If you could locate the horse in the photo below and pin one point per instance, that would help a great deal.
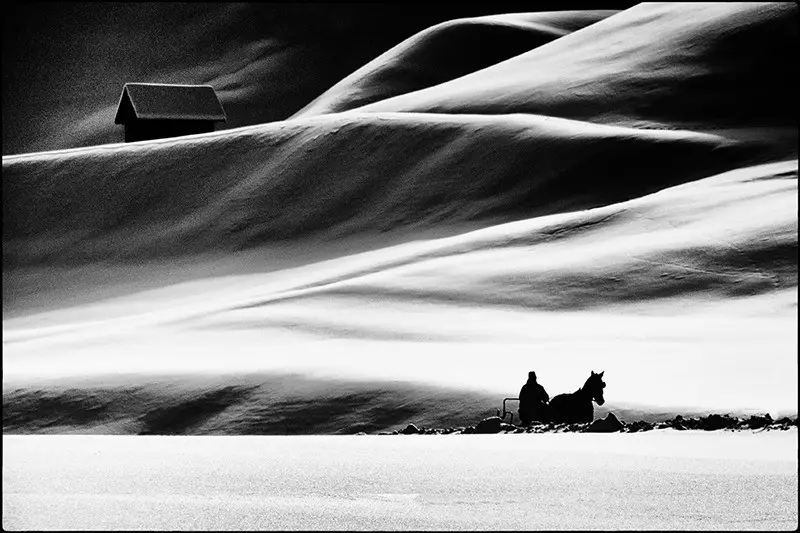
(576, 406)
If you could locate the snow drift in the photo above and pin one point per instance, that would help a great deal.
(613, 191)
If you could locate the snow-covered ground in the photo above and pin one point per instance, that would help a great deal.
(662, 479)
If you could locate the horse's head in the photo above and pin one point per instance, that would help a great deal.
(595, 385)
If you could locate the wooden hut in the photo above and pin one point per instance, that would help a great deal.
(157, 110)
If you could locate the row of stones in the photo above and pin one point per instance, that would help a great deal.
(610, 424)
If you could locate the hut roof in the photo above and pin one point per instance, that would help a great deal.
(162, 101)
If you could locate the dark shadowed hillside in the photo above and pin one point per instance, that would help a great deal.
(64, 64)
(447, 51)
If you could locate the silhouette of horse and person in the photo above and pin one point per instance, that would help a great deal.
(535, 404)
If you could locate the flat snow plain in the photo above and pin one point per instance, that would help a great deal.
(662, 479)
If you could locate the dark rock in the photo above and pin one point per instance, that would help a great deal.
(411, 429)
(782, 424)
(676, 424)
(756, 422)
(609, 424)
(692, 423)
(468, 430)
(714, 422)
(639, 425)
(493, 424)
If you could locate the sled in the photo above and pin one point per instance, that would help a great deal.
(506, 411)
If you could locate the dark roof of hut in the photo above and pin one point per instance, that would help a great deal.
(158, 101)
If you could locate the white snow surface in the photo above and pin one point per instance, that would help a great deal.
(662, 479)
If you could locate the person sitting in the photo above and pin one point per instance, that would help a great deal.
(532, 400)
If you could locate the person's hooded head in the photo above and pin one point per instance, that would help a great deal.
(532, 376)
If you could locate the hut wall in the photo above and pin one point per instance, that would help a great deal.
(144, 130)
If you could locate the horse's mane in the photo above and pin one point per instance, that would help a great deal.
(586, 383)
